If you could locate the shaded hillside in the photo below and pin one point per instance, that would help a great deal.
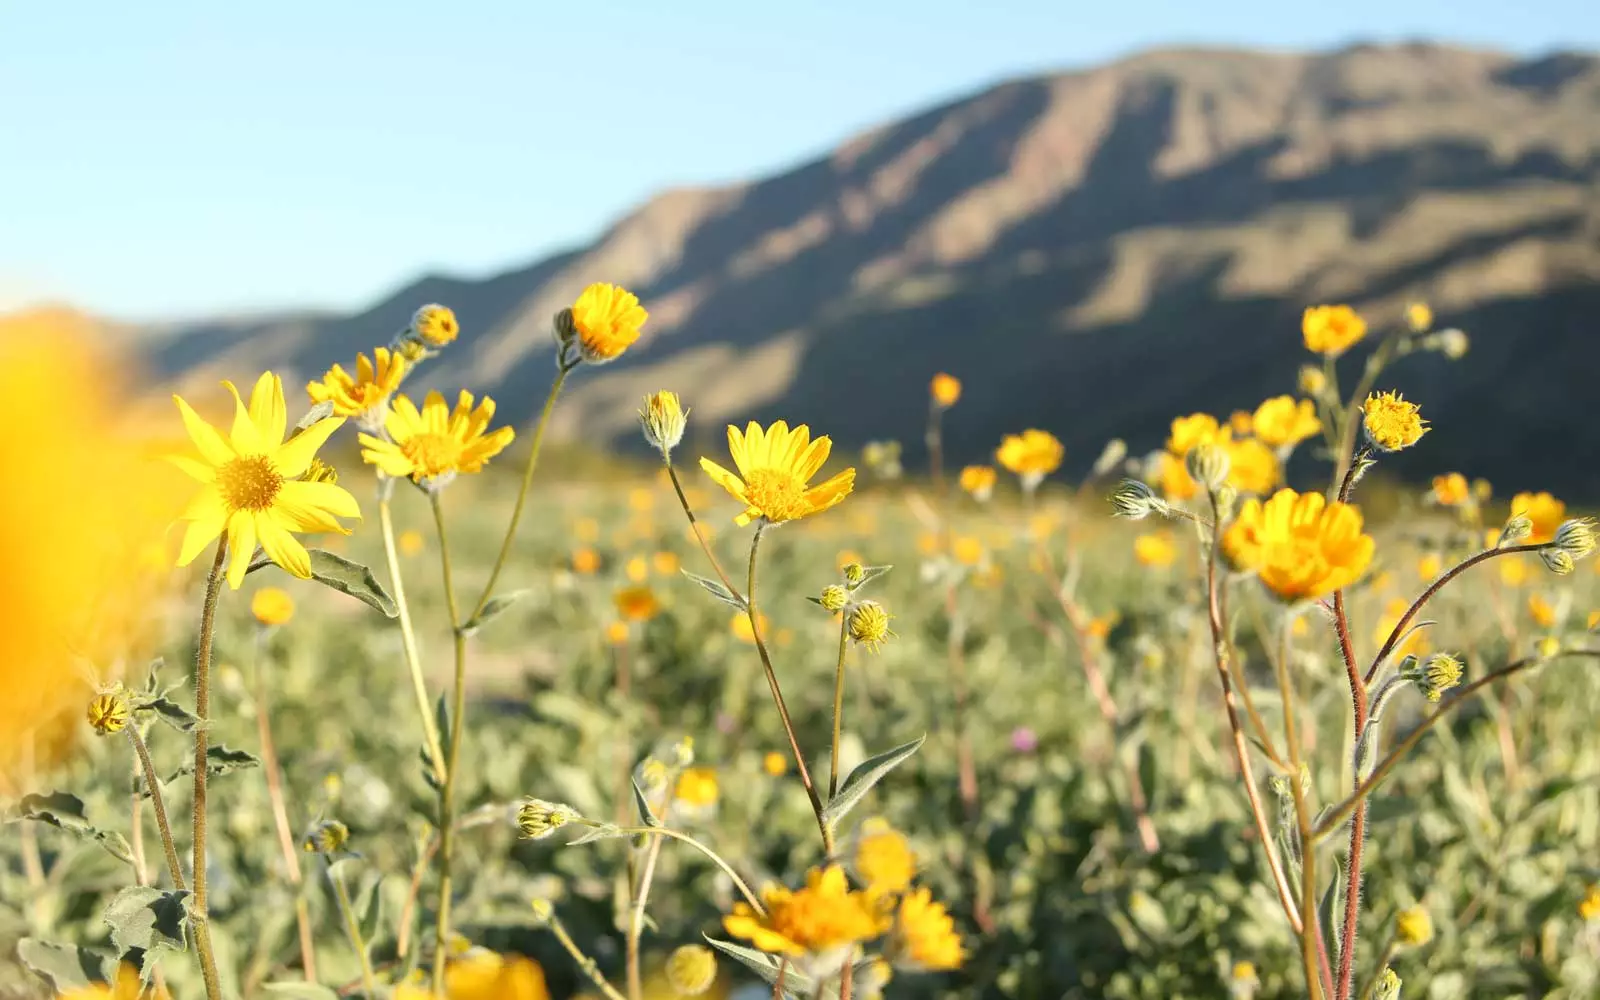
(1092, 252)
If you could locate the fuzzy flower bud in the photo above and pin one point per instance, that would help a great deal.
(1388, 986)
(854, 574)
(1135, 501)
(663, 419)
(1576, 537)
(435, 325)
(1110, 457)
(1207, 464)
(1434, 676)
(834, 598)
(1557, 561)
(1516, 530)
(109, 712)
(868, 625)
(327, 837)
(683, 752)
(1312, 380)
(1451, 343)
(543, 911)
(691, 970)
(538, 818)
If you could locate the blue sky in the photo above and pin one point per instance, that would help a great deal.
(169, 159)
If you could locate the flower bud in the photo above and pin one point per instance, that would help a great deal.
(1451, 343)
(1312, 380)
(1576, 537)
(868, 625)
(1516, 530)
(691, 969)
(854, 574)
(1207, 464)
(1388, 985)
(1557, 561)
(1110, 457)
(834, 598)
(109, 712)
(1135, 501)
(1436, 675)
(543, 911)
(538, 818)
(435, 325)
(327, 837)
(663, 419)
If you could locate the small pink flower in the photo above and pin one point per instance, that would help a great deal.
(1024, 740)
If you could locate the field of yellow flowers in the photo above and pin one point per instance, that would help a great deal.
(328, 690)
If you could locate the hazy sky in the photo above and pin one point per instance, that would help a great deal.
(162, 158)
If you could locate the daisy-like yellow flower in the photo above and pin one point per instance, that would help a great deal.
(775, 467)
(637, 604)
(665, 563)
(1332, 329)
(637, 569)
(1241, 422)
(435, 324)
(882, 858)
(822, 921)
(1196, 428)
(585, 561)
(1541, 611)
(606, 320)
(968, 551)
(697, 787)
(364, 395)
(924, 935)
(978, 481)
(775, 764)
(252, 488)
(1413, 927)
(1252, 467)
(1544, 510)
(272, 606)
(1172, 475)
(1451, 490)
(1391, 422)
(945, 390)
(483, 975)
(1281, 421)
(1299, 545)
(1419, 317)
(617, 633)
(434, 444)
(1156, 549)
(1032, 455)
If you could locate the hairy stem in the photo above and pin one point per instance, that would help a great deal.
(458, 708)
(585, 963)
(353, 928)
(1358, 827)
(158, 805)
(1318, 981)
(202, 707)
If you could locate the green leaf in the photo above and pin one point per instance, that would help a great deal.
(300, 991)
(370, 906)
(604, 831)
(764, 965)
(321, 411)
(642, 803)
(148, 919)
(496, 606)
(220, 760)
(870, 573)
(68, 967)
(866, 774)
(344, 576)
(60, 809)
(717, 590)
(172, 713)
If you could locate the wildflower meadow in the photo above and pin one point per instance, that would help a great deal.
(332, 688)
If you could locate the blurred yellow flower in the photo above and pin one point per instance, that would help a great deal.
(1033, 454)
(1589, 906)
(272, 606)
(882, 858)
(585, 561)
(968, 551)
(1174, 479)
(1196, 428)
(740, 624)
(1100, 628)
(1594, 619)
(637, 604)
(1311, 380)
(924, 935)
(696, 787)
(847, 557)
(1283, 421)
(1301, 547)
(1240, 422)
(1541, 611)
(411, 542)
(641, 499)
(484, 975)
(251, 484)
(978, 481)
(945, 390)
(775, 465)
(665, 563)
(1252, 467)
(1331, 329)
(822, 920)
(607, 320)
(637, 569)
(775, 764)
(1413, 926)
(1419, 317)
(586, 529)
(1415, 644)
(1430, 566)
(435, 324)
(1544, 510)
(127, 987)
(1450, 489)
(366, 392)
(434, 444)
(691, 970)
(617, 633)
(1391, 422)
(1513, 571)
(1157, 549)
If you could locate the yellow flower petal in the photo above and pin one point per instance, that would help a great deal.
(267, 409)
(241, 546)
(282, 547)
(213, 448)
(294, 458)
(245, 436)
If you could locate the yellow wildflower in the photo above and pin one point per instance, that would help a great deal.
(945, 390)
(868, 625)
(109, 713)
(1196, 428)
(1281, 421)
(1173, 477)
(637, 569)
(435, 324)
(1541, 611)
(978, 481)
(1252, 467)
(882, 858)
(665, 563)
(1513, 571)
(775, 465)
(434, 444)
(925, 936)
(968, 551)
(365, 394)
(617, 633)
(1419, 317)
(1391, 422)
(775, 764)
(1430, 566)
(822, 921)
(1396, 607)
(484, 975)
(411, 542)
(1241, 422)
(1451, 489)
(1032, 455)
(251, 486)
(585, 561)
(1544, 510)
(606, 319)
(127, 987)
(272, 606)
(637, 604)
(740, 624)
(1157, 549)
(1301, 547)
(691, 969)
(1589, 906)
(697, 787)
(1413, 927)
(1331, 329)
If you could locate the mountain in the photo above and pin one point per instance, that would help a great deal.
(1092, 252)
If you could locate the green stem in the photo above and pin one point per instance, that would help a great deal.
(158, 805)
(1377, 970)
(202, 707)
(699, 533)
(353, 928)
(777, 694)
(447, 792)
(1347, 432)
(522, 494)
(641, 898)
(585, 963)
(408, 636)
(838, 706)
(727, 869)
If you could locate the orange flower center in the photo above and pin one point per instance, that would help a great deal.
(433, 454)
(249, 483)
(777, 494)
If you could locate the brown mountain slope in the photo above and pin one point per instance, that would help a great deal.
(1092, 252)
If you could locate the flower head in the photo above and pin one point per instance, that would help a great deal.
(697, 788)
(1451, 490)
(1136, 501)
(834, 598)
(1032, 455)
(739, 624)
(435, 325)
(822, 921)
(1544, 513)
(1311, 380)
(1196, 428)
(1252, 467)
(978, 481)
(1301, 547)
(1331, 329)
(663, 419)
(1413, 926)
(1433, 677)
(1391, 422)
(924, 936)
(1589, 905)
(1281, 421)
(691, 969)
(480, 974)
(434, 444)
(251, 486)
(882, 858)
(109, 712)
(128, 986)
(868, 625)
(272, 606)
(1419, 317)
(1387, 986)
(365, 395)
(605, 321)
(775, 467)
(1576, 538)
(945, 390)
(775, 764)
(327, 837)
(1157, 549)
(637, 604)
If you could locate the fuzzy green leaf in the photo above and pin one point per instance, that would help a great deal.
(346, 577)
(766, 966)
(172, 713)
(148, 919)
(220, 760)
(865, 775)
(497, 606)
(717, 590)
(67, 967)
